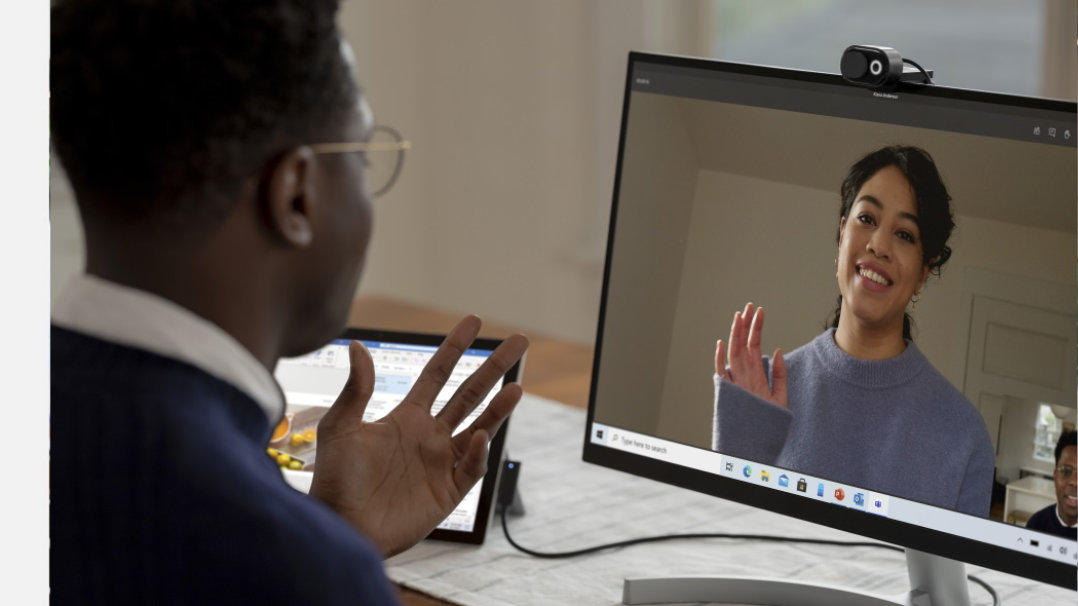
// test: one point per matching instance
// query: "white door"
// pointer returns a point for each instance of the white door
(1022, 348)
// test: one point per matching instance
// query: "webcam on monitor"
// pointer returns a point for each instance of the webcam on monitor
(880, 67)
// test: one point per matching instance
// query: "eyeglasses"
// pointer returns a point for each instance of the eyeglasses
(380, 169)
(1066, 471)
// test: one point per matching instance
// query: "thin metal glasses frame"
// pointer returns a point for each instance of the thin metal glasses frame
(344, 147)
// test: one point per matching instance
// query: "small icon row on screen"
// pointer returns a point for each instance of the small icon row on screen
(1052, 132)
(857, 498)
(1052, 545)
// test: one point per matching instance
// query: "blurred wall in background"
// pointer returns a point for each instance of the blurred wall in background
(514, 112)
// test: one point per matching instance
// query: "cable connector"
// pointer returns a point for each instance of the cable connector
(508, 495)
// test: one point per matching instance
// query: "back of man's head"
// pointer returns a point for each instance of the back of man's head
(1067, 438)
(161, 110)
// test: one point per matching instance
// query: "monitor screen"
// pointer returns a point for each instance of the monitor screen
(829, 205)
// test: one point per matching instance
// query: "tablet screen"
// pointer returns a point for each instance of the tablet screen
(312, 382)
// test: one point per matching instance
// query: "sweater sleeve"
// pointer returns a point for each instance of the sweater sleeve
(975, 497)
(747, 426)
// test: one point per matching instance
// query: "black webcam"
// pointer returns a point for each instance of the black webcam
(880, 67)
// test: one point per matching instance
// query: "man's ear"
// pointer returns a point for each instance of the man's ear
(289, 197)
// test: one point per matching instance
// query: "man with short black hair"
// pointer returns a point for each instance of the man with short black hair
(219, 157)
(1062, 518)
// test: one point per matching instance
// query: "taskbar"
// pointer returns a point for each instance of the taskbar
(836, 493)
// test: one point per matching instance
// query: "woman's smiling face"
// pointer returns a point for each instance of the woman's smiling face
(880, 257)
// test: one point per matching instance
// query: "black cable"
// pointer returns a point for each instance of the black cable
(991, 590)
(671, 537)
(753, 537)
(928, 79)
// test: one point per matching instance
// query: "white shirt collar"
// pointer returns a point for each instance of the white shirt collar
(1060, 518)
(136, 318)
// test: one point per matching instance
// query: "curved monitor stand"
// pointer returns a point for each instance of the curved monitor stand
(934, 581)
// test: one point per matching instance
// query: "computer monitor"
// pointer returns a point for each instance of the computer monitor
(729, 190)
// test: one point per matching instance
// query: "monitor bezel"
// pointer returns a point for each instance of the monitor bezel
(872, 526)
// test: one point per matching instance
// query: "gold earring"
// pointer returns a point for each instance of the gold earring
(915, 298)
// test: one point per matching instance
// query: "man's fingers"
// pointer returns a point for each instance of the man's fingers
(440, 367)
(358, 388)
(492, 418)
(473, 465)
(476, 387)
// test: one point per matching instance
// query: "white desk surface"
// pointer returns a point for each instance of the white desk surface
(571, 504)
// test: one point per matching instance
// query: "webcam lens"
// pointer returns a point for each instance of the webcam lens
(854, 64)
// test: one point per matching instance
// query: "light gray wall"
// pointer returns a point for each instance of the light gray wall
(747, 242)
(655, 207)
(514, 112)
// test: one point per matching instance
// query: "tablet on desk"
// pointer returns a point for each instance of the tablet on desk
(312, 382)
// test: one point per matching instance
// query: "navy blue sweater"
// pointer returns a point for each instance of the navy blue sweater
(1046, 520)
(162, 493)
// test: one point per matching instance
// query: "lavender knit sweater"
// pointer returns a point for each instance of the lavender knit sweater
(895, 426)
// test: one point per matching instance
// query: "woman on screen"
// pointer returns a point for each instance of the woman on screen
(860, 404)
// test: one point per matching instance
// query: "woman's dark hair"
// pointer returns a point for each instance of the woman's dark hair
(164, 108)
(935, 219)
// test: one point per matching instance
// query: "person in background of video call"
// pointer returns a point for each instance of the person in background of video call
(860, 404)
(1062, 518)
